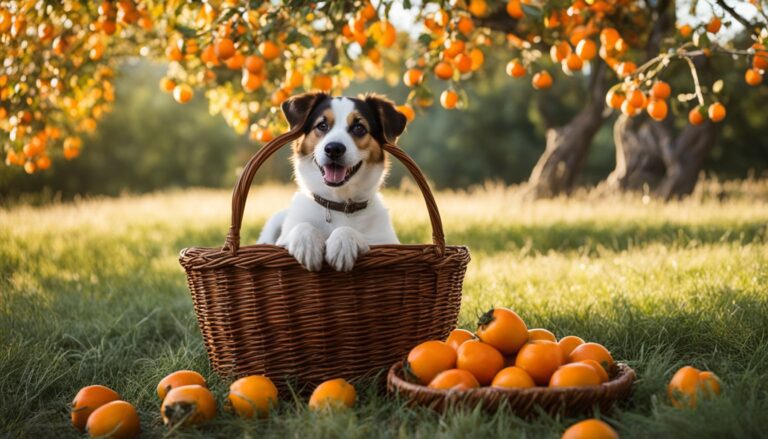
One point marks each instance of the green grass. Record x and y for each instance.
(91, 292)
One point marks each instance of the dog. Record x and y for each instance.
(339, 166)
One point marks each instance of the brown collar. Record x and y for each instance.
(346, 207)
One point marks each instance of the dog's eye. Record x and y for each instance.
(322, 127)
(359, 130)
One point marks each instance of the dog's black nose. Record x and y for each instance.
(335, 150)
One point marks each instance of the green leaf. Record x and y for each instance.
(425, 39)
(530, 10)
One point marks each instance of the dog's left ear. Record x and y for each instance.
(297, 108)
(392, 121)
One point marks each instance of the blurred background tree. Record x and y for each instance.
(148, 142)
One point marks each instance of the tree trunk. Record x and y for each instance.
(649, 156)
(567, 146)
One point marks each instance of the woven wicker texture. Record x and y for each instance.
(260, 312)
(525, 403)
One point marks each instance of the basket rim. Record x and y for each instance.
(269, 255)
(625, 376)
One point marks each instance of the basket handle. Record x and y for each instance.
(243, 184)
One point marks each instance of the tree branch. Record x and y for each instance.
(738, 17)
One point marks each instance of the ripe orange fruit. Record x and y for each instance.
(252, 395)
(177, 379)
(598, 368)
(614, 99)
(262, 135)
(657, 109)
(29, 167)
(512, 378)
(448, 99)
(251, 81)
(336, 393)
(621, 47)
(368, 12)
(540, 359)
(116, 419)
(481, 359)
(407, 111)
(465, 25)
(695, 116)
(590, 429)
(626, 68)
(463, 63)
(428, 359)
(573, 62)
(188, 405)
(710, 382)
(279, 96)
(413, 77)
(541, 334)
(542, 80)
(453, 48)
(609, 36)
(753, 77)
(689, 383)
(458, 379)
(592, 351)
(760, 59)
(714, 25)
(457, 336)
(478, 8)
(514, 9)
(235, 62)
(167, 85)
(574, 375)
(586, 49)
(478, 58)
(568, 344)
(43, 162)
(637, 98)
(661, 90)
(503, 329)
(716, 112)
(516, 69)
(559, 51)
(182, 93)
(208, 56)
(254, 64)
(224, 48)
(443, 70)
(173, 53)
(269, 50)
(322, 82)
(89, 399)
(294, 79)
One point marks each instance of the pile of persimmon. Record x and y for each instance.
(503, 353)
(187, 401)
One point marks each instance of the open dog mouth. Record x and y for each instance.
(336, 175)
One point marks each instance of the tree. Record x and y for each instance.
(250, 56)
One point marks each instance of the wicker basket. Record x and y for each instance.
(526, 403)
(260, 312)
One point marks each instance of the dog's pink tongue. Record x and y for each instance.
(334, 174)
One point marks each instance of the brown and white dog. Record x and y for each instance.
(339, 166)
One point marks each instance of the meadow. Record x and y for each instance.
(91, 292)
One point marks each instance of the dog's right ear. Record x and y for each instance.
(297, 108)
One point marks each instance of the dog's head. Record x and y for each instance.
(339, 153)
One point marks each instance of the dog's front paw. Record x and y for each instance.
(306, 244)
(343, 248)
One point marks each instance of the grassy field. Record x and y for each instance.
(92, 292)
